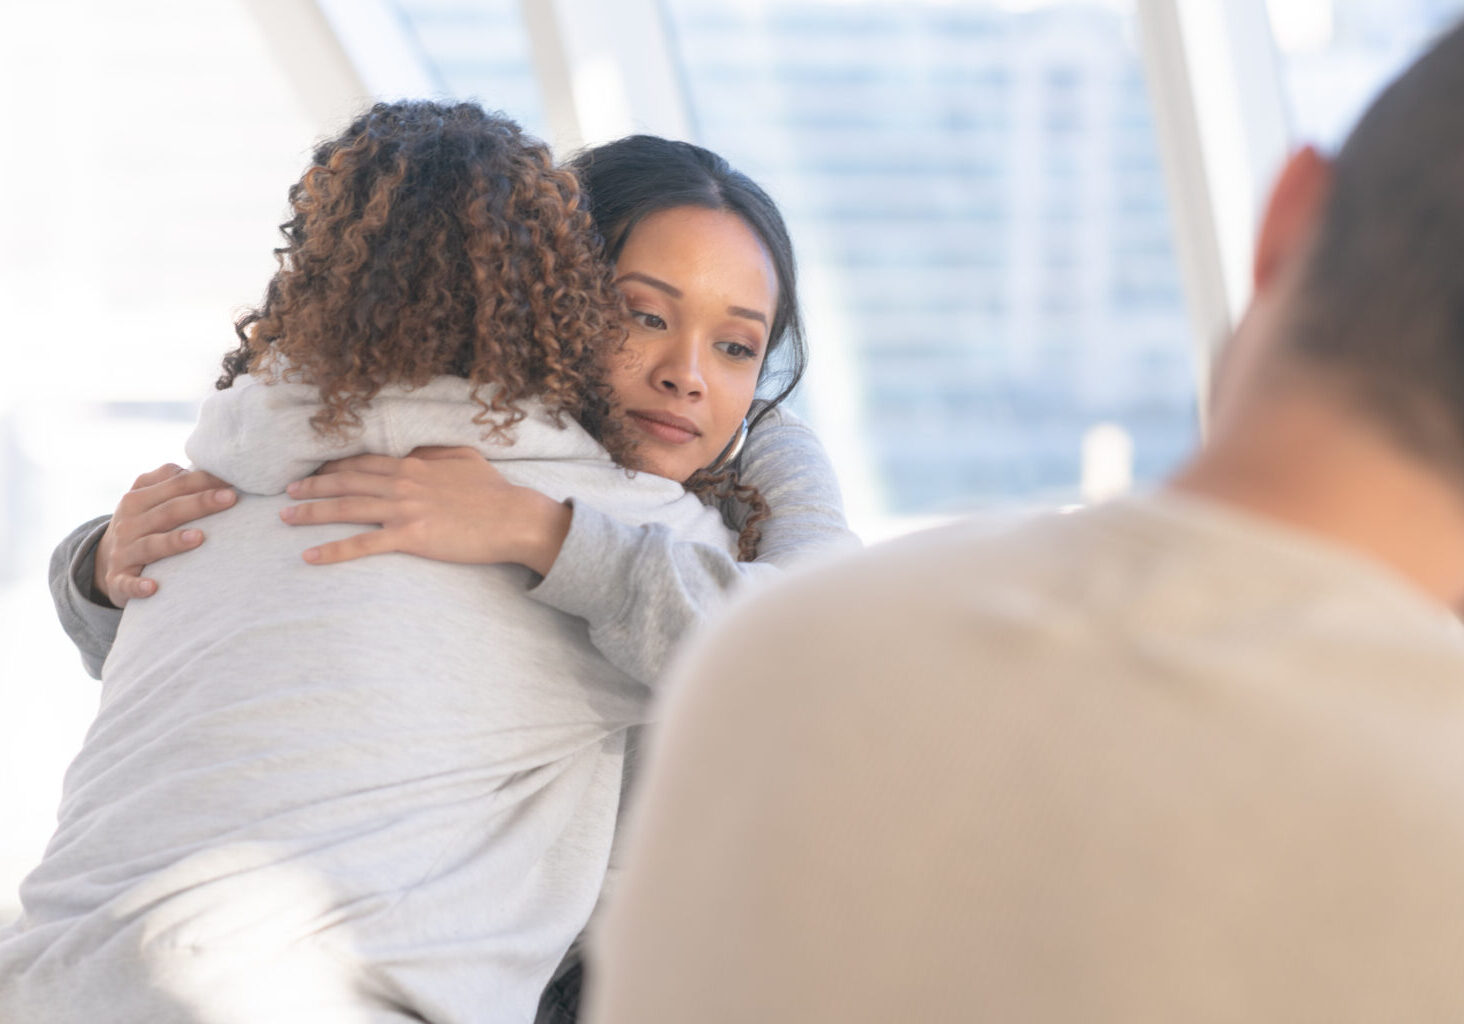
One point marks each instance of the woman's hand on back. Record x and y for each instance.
(447, 504)
(145, 528)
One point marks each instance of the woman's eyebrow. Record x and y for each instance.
(676, 293)
(654, 282)
(750, 314)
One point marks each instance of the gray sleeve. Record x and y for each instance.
(786, 462)
(91, 626)
(641, 590)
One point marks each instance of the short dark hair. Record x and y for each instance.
(629, 179)
(1382, 296)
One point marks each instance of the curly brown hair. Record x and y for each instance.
(432, 239)
(718, 488)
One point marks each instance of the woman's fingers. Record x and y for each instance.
(352, 509)
(347, 482)
(144, 528)
(157, 476)
(387, 465)
(447, 504)
(128, 587)
(167, 486)
(154, 547)
(185, 508)
(384, 465)
(433, 452)
(121, 585)
(372, 542)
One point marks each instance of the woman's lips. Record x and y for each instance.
(665, 427)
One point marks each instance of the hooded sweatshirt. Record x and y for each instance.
(379, 790)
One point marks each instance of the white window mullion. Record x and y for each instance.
(382, 49)
(1223, 134)
(340, 55)
(315, 63)
(605, 70)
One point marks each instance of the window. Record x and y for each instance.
(468, 49)
(962, 183)
(1337, 54)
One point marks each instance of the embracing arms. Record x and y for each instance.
(98, 567)
(639, 588)
(642, 591)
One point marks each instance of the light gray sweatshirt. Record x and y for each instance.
(379, 790)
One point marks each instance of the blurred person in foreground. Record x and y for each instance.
(1197, 755)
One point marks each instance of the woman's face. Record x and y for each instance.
(702, 292)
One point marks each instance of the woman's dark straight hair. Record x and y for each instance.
(629, 179)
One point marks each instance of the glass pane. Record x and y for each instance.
(1336, 54)
(478, 49)
(977, 200)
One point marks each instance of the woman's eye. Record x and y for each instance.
(737, 350)
(650, 320)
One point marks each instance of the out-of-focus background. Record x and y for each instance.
(1021, 225)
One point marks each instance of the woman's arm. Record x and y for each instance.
(91, 625)
(98, 567)
(639, 587)
(641, 590)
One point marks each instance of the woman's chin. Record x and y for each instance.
(642, 462)
(669, 472)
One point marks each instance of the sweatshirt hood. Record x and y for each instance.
(258, 435)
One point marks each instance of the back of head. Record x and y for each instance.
(630, 179)
(431, 239)
(1381, 304)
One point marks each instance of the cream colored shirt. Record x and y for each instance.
(1153, 762)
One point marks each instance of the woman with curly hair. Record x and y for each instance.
(715, 346)
(697, 247)
(385, 791)
(639, 588)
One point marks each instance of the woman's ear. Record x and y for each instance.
(1292, 214)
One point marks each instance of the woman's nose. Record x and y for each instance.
(678, 371)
